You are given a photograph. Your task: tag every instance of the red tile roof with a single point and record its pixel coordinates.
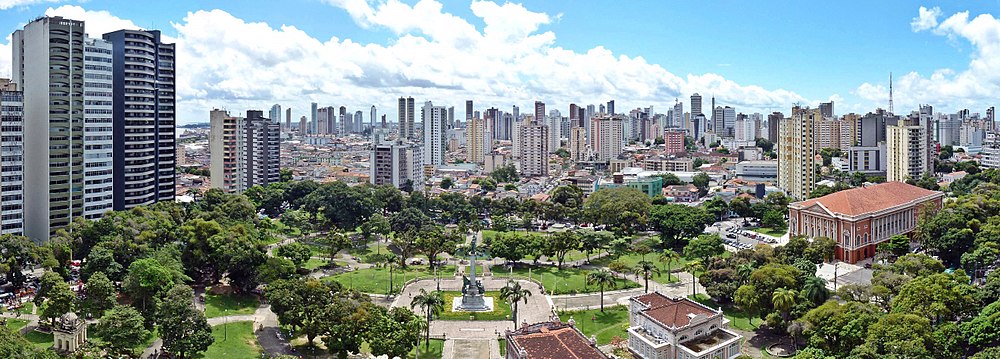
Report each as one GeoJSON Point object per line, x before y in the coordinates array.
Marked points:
{"type": "Point", "coordinates": [862, 200]}
{"type": "Point", "coordinates": [672, 312]}
{"type": "Point", "coordinates": [553, 340]}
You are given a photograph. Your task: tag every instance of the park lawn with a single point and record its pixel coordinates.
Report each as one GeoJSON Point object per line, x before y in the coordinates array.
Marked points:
{"type": "Point", "coordinates": [558, 281]}
{"type": "Point", "coordinates": [233, 340]}
{"type": "Point", "coordinates": [737, 318]}
{"type": "Point", "coordinates": [26, 308]}
{"type": "Point", "coordinates": [503, 346]}
{"type": "Point", "coordinates": [39, 340]}
{"type": "Point", "coordinates": [362, 252]}
{"type": "Point", "coordinates": [605, 326]}
{"type": "Point", "coordinates": [376, 280]}
{"type": "Point", "coordinates": [501, 310]}
{"type": "Point", "coordinates": [315, 263]}
{"type": "Point", "coordinates": [632, 260]}
{"type": "Point", "coordinates": [225, 305]}
{"type": "Point", "coordinates": [434, 351]}
{"type": "Point", "coordinates": [16, 324]}
{"type": "Point", "coordinates": [773, 232]}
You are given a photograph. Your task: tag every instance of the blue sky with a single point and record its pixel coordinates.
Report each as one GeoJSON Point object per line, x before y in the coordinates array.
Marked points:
{"type": "Point", "coordinates": [766, 54]}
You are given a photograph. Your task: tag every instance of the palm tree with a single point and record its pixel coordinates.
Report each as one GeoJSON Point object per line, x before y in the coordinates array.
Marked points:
{"type": "Point", "coordinates": [387, 260]}
{"type": "Point", "coordinates": [432, 303]}
{"type": "Point", "coordinates": [646, 270]}
{"type": "Point", "coordinates": [744, 270]}
{"type": "Point", "coordinates": [693, 268]}
{"type": "Point", "coordinates": [783, 300]}
{"type": "Point", "coordinates": [601, 278]}
{"type": "Point", "coordinates": [514, 294]}
{"type": "Point", "coordinates": [669, 256]}
{"type": "Point", "coordinates": [815, 290]}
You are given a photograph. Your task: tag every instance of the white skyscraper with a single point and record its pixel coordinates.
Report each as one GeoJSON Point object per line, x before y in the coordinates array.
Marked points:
{"type": "Point", "coordinates": [906, 144]}
{"type": "Point", "coordinates": [98, 149]}
{"type": "Point", "coordinates": [435, 122]}
{"type": "Point", "coordinates": [678, 115]}
{"type": "Point", "coordinates": [555, 131]}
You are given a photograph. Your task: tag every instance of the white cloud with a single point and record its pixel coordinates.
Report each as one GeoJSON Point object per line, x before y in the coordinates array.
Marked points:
{"type": "Point", "coordinates": [973, 87]}
{"type": "Point", "coordinates": [227, 62]}
{"type": "Point", "coordinates": [8, 4]}
{"type": "Point", "coordinates": [926, 19]}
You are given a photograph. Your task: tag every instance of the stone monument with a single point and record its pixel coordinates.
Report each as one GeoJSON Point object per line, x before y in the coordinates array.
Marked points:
{"type": "Point", "coordinates": [70, 333]}
{"type": "Point", "coordinates": [472, 299]}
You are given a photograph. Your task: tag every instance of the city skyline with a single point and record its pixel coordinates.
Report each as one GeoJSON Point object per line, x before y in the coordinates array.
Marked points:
{"type": "Point", "coordinates": [513, 54]}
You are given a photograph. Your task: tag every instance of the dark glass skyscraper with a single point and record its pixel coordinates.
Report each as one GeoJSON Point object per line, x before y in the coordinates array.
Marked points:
{"type": "Point", "coordinates": [144, 120]}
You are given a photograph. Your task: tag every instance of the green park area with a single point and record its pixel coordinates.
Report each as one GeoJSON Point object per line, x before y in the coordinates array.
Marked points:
{"type": "Point", "coordinates": [612, 322]}
{"type": "Point", "coordinates": [501, 309]}
{"type": "Point", "coordinates": [737, 318]}
{"type": "Point", "coordinates": [773, 232]}
{"type": "Point", "coordinates": [38, 339]}
{"type": "Point", "coordinates": [233, 340]}
{"type": "Point", "coordinates": [221, 305]}
{"type": "Point", "coordinates": [433, 351]}
{"type": "Point", "coordinates": [16, 324]}
{"type": "Point", "coordinates": [558, 281]}
{"type": "Point", "coordinates": [375, 280]}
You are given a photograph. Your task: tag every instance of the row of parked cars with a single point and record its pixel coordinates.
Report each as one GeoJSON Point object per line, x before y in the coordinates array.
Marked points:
{"type": "Point", "coordinates": [734, 233]}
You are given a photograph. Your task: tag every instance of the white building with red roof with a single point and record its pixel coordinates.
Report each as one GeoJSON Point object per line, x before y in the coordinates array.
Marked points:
{"type": "Point", "coordinates": [661, 327]}
{"type": "Point", "coordinates": [861, 218]}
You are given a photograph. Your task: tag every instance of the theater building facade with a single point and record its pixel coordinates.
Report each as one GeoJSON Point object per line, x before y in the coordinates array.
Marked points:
{"type": "Point", "coordinates": [861, 218]}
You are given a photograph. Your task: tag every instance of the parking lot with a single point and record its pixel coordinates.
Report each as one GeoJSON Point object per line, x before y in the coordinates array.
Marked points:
{"type": "Point", "coordinates": [744, 239]}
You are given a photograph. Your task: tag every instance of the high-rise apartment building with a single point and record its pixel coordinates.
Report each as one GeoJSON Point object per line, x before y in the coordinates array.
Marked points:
{"type": "Point", "coordinates": [833, 133]}
{"type": "Point", "coordinates": [678, 115]}
{"type": "Point", "coordinates": [773, 120]}
{"type": "Point", "coordinates": [358, 122]}
{"type": "Point", "coordinates": [259, 152]}
{"type": "Point", "coordinates": [313, 124]}
{"type": "Point", "coordinates": [797, 152]}
{"type": "Point", "coordinates": [406, 118]}
{"type": "Point", "coordinates": [288, 120]}
{"type": "Point", "coordinates": [607, 137]}
{"type": "Point", "coordinates": [275, 113]}
{"type": "Point", "coordinates": [673, 142]}
{"type": "Point", "coordinates": [223, 148]}
{"type": "Point", "coordinates": [907, 158]}
{"type": "Point", "coordinates": [534, 148]}
{"type": "Point", "coordinates": [303, 125]}
{"type": "Point", "coordinates": [826, 109]}
{"type": "Point", "coordinates": [48, 67]}
{"type": "Point", "coordinates": [478, 140]}
{"type": "Point", "coordinates": [325, 120]}
{"type": "Point", "coordinates": [374, 115]}
{"type": "Point", "coordinates": [144, 118]}
{"type": "Point", "coordinates": [555, 132]}
{"type": "Point", "coordinates": [539, 111]}
{"type": "Point", "coordinates": [468, 110]}
{"type": "Point", "coordinates": [695, 105]}
{"type": "Point", "coordinates": [98, 130]}
{"type": "Point", "coordinates": [399, 164]}
{"type": "Point", "coordinates": [578, 144]}
{"type": "Point", "coordinates": [11, 159]}
{"type": "Point", "coordinates": [435, 124]}
{"type": "Point", "coordinates": [991, 151]}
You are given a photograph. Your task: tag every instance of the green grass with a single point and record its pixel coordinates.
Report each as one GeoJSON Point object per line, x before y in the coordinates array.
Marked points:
{"type": "Point", "coordinates": [39, 340]}
{"type": "Point", "coordinates": [240, 341]}
{"type": "Point", "coordinates": [433, 352]}
{"type": "Point", "coordinates": [559, 281]}
{"type": "Point", "coordinates": [376, 280]}
{"type": "Point", "coordinates": [226, 305]}
{"type": "Point", "coordinates": [27, 308]}
{"type": "Point", "coordinates": [501, 310]}
{"type": "Point", "coordinates": [737, 318]}
{"type": "Point", "coordinates": [503, 346]}
{"type": "Point", "coordinates": [773, 232]}
{"type": "Point", "coordinates": [16, 324]}
{"type": "Point", "coordinates": [632, 260]}
{"type": "Point", "coordinates": [363, 252]}
{"type": "Point", "coordinates": [315, 263]}
{"type": "Point", "coordinates": [605, 326]}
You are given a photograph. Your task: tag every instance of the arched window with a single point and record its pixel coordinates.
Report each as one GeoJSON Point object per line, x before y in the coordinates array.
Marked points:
{"type": "Point", "coordinates": [697, 333]}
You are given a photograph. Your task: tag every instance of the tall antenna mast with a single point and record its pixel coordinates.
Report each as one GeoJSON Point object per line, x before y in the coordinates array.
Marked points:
{"type": "Point", "coordinates": [890, 94]}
